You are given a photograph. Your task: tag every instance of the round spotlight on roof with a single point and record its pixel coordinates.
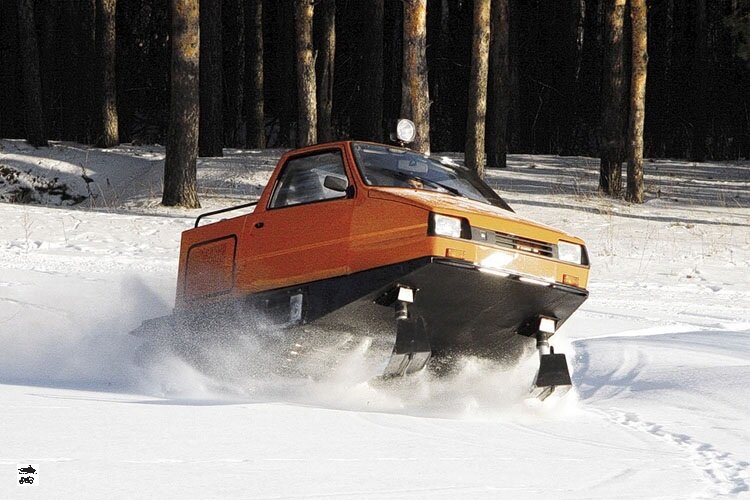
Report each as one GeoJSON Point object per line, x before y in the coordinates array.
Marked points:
{"type": "Point", "coordinates": [405, 130]}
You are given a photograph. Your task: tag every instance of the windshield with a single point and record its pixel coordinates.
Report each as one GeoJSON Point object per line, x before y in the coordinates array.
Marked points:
{"type": "Point", "coordinates": [396, 167]}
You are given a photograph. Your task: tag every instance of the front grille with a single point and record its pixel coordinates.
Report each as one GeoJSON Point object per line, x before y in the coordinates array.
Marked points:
{"type": "Point", "coordinates": [513, 242]}
{"type": "Point", "coordinates": [524, 244]}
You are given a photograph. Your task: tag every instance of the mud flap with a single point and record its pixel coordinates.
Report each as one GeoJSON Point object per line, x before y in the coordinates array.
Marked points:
{"type": "Point", "coordinates": [412, 349]}
{"type": "Point", "coordinates": [553, 376]}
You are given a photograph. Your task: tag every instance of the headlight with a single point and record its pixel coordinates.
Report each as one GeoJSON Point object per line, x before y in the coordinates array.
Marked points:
{"type": "Point", "coordinates": [569, 252]}
{"type": "Point", "coordinates": [443, 225]}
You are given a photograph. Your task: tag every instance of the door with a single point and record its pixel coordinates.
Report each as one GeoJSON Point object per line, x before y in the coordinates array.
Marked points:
{"type": "Point", "coordinates": [303, 235]}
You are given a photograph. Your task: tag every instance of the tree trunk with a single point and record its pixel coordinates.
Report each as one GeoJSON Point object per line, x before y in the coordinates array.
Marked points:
{"type": "Point", "coordinates": [254, 102]}
{"type": "Point", "coordinates": [32, 88]}
{"type": "Point", "coordinates": [371, 117]}
{"type": "Point", "coordinates": [571, 107]}
{"type": "Point", "coordinates": [83, 80]}
{"type": "Point", "coordinates": [211, 126]}
{"type": "Point", "coordinates": [393, 58]}
{"type": "Point", "coordinates": [106, 48]}
{"type": "Point", "coordinates": [52, 36]}
{"type": "Point", "coordinates": [307, 111]}
{"type": "Point", "coordinates": [499, 89]}
{"type": "Point", "coordinates": [638, 13]}
{"type": "Point", "coordinates": [326, 54]}
{"type": "Point", "coordinates": [285, 92]}
{"type": "Point", "coordinates": [613, 101]}
{"type": "Point", "coordinates": [441, 114]}
{"type": "Point", "coordinates": [475, 121]}
{"type": "Point", "coordinates": [180, 186]}
{"type": "Point", "coordinates": [578, 25]}
{"type": "Point", "coordinates": [234, 72]}
{"type": "Point", "coordinates": [415, 98]}
{"type": "Point", "coordinates": [700, 85]}
{"type": "Point", "coordinates": [514, 131]}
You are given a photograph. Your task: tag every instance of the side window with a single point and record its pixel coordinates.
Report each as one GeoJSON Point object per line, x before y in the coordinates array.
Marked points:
{"type": "Point", "coordinates": [302, 179]}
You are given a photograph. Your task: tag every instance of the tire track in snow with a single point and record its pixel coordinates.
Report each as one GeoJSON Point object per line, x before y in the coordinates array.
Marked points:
{"type": "Point", "coordinates": [728, 476]}
{"type": "Point", "coordinates": [40, 307]}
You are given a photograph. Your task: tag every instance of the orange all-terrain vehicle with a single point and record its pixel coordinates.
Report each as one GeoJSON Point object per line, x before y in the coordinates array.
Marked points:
{"type": "Point", "coordinates": [413, 255]}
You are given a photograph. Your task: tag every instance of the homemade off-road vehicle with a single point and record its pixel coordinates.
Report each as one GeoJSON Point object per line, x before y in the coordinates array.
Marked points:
{"type": "Point", "coordinates": [413, 255]}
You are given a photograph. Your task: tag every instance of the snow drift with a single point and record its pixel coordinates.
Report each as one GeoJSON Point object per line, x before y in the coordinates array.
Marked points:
{"type": "Point", "coordinates": [660, 354]}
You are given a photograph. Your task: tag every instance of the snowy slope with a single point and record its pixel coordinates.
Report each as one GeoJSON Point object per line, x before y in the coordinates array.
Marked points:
{"type": "Point", "coordinates": [660, 352]}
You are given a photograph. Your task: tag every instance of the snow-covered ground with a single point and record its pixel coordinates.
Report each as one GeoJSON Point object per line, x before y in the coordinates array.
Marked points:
{"type": "Point", "coordinates": [660, 352]}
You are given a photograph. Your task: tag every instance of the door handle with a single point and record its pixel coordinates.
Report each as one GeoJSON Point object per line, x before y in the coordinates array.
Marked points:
{"type": "Point", "coordinates": [259, 225]}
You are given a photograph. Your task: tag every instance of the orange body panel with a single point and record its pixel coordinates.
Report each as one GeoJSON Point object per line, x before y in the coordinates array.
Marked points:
{"type": "Point", "coordinates": [277, 247]}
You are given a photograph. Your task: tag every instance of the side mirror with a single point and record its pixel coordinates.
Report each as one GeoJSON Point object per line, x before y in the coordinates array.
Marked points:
{"type": "Point", "coordinates": [335, 183]}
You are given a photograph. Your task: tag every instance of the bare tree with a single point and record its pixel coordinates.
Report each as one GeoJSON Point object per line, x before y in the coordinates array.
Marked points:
{"type": "Point", "coordinates": [614, 111]}
{"type": "Point", "coordinates": [499, 86]}
{"type": "Point", "coordinates": [475, 121]}
{"type": "Point", "coordinates": [326, 55]}
{"type": "Point", "coordinates": [53, 22]}
{"type": "Point", "coordinates": [700, 84]}
{"type": "Point", "coordinates": [180, 185]}
{"type": "Point", "coordinates": [234, 72]}
{"type": "Point", "coordinates": [415, 98]}
{"type": "Point", "coordinates": [284, 41]}
{"type": "Point", "coordinates": [211, 123]}
{"type": "Point", "coordinates": [443, 78]}
{"type": "Point", "coordinates": [307, 116]}
{"type": "Point", "coordinates": [106, 47]}
{"type": "Point", "coordinates": [638, 13]}
{"type": "Point", "coordinates": [87, 109]}
{"type": "Point", "coordinates": [371, 116]}
{"type": "Point", "coordinates": [32, 87]}
{"type": "Point", "coordinates": [254, 101]}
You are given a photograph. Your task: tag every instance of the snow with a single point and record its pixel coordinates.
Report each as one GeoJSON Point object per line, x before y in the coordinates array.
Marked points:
{"type": "Point", "coordinates": [660, 353]}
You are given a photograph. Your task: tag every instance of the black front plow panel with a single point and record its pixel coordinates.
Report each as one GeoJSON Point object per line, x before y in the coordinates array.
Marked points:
{"type": "Point", "coordinates": [465, 310]}
{"type": "Point", "coordinates": [480, 313]}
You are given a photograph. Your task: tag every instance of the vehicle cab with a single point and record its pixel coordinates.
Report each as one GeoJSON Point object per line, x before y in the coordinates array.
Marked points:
{"type": "Point", "coordinates": [339, 208]}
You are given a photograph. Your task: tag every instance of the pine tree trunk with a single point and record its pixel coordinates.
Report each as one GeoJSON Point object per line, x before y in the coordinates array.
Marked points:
{"type": "Point", "coordinates": [499, 88]}
{"type": "Point", "coordinates": [514, 129]}
{"type": "Point", "coordinates": [475, 122]}
{"type": "Point", "coordinates": [578, 29]}
{"type": "Point", "coordinates": [254, 103]}
{"type": "Point", "coordinates": [668, 75]}
{"type": "Point", "coordinates": [12, 104]}
{"type": "Point", "coordinates": [570, 107]}
{"type": "Point", "coordinates": [307, 116]}
{"type": "Point", "coordinates": [32, 88]}
{"type": "Point", "coordinates": [211, 124]}
{"type": "Point", "coordinates": [82, 82]}
{"type": "Point", "coordinates": [415, 98]}
{"type": "Point", "coordinates": [326, 54]}
{"type": "Point", "coordinates": [700, 85]}
{"type": "Point", "coordinates": [180, 185]}
{"type": "Point", "coordinates": [51, 37]}
{"type": "Point", "coordinates": [393, 53]}
{"type": "Point", "coordinates": [234, 72]}
{"type": "Point", "coordinates": [286, 91]}
{"type": "Point", "coordinates": [371, 117]}
{"type": "Point", "coordinates": [106, 52]}
{"type": "Point", "coordinates": [638, 13]}
{"type": "Point", "coordinates": [613, 101]}
{"type": "Point", "coordinates": [442, 130]}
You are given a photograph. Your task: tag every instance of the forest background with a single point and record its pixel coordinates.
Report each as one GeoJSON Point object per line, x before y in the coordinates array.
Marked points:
{"type": "Point", "coordinates": [289, 73]}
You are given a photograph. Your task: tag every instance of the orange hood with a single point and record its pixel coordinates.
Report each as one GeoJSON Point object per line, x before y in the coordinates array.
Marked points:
{"type": "Point", "coordinates": [479, 215]}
